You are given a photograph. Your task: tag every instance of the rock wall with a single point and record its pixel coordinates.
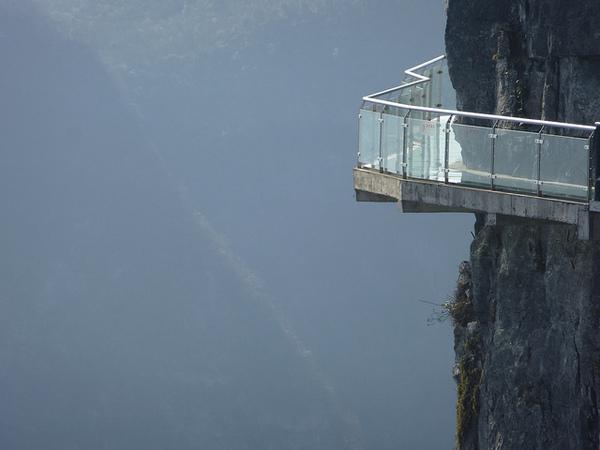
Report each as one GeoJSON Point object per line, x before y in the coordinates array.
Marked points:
{"type": "Point", "coordinates": [528, 345]}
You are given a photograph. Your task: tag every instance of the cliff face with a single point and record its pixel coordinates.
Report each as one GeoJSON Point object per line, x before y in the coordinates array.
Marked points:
{"type": "Point", "coordinates": [528, 345]}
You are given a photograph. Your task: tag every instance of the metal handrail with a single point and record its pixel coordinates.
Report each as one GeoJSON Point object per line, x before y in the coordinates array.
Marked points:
{"type": "Point", "coordinates": [452, 112]}
{"type": "Point", "coordinates": [410, 72]}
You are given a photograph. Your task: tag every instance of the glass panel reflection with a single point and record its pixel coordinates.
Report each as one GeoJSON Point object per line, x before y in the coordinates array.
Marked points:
{"type": "Point", "coordinates": [470, 157]}
{"type": "Point", "coordinates": [392, 143]}
{"type": "Point", "coordinates": [368, 137]}
{"type": "Point", "coordinates": [425, 149]}
{"type": "Point", "coordinates": [564, 167]}
{"type": "Point", "coordinates": [515, 161]}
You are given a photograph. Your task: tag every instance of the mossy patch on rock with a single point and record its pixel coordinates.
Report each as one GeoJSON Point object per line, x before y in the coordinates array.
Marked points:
{"type": "Point", "coordinates": [467, 404]}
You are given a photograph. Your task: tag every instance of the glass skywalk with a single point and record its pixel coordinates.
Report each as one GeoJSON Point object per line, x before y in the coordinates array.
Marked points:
{"type": "Point", "coordinates": [415, 132]}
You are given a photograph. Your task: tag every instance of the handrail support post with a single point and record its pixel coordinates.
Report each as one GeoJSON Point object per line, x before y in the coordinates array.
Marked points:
{"type": "Point", "coordinates": [447, 150]}
{"type": "Point", "coordinates": [380, 157]}
{"type": "Point", "coordinates": [539, 142]}
{"type": "Point", "coordinates": [594, 165]}
{"type": "Point", "coordinates": [405, 145]}
{"type": "Point", "coordinates": [493, 137]}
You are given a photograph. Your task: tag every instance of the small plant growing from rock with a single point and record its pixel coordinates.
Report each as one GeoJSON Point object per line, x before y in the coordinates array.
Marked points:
{"type": "Point", "coordinates": [459, 306]}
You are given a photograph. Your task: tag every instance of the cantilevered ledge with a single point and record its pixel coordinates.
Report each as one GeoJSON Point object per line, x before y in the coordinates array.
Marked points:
{"type": "Point", "coordinates": [420, 196]}
{"type": "Point", "coordinates": [417, 149]}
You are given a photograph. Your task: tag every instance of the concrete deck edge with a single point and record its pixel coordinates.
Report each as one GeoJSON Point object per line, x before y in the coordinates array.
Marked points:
{"type": "Point", "coordinates": [423, 196]}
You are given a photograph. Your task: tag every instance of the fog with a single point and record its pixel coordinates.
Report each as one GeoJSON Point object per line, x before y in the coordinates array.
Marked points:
{"type": "Point", "coordinates": [185, 266]}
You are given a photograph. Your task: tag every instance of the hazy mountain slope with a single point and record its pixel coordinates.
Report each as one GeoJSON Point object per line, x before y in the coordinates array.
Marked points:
{"type": "Point", "coordinates": [257, 124]}
{"type": "Point", "coordinates": [122, 327]}
{"type": "Point", "coordinates": [180, 31]}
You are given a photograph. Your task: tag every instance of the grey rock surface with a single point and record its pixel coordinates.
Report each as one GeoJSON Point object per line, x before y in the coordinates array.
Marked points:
{"type": "Point", "coordinates": [530, 377]}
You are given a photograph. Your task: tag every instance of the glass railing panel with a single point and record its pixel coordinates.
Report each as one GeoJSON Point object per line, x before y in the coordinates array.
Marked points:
{"type": "Point", "coordinates": [425, 149]}
{"type": "Point", "coordinates": [368, 138]}
{"type": "Point", "coordinates": [405, 96]}
{"type": "Point", "coordinates": [419, 94]}
{"type": "Point", "coordinates": [426, 89]}
{"type": "Point", "coordinates": [564, 167]}
{"type": "Point", "coordinates": [562, 173]}
{"type": "Point", "coordinates": [426, 71]}
{"type": "Point", "coordinates": [394, 95]}
{"type": "Point", "coordinates": [436, 87]}
{"type": "Point", "coordinates": [392, 140]}
{"type": "Point", "coordinates": [418, 98]}
{"type": "Point", "coordinates": [438, 74]}
{"type": "Point", "coordinates": [515, 161]}
{"type": "Point", "coordinates": [469, 155]}
{"type": "Point", "coordinates": [439, 90]}
{"type": "Point", "coordinates": [436, 93]}
{"type": "Point", "coordinates": [447, 92]}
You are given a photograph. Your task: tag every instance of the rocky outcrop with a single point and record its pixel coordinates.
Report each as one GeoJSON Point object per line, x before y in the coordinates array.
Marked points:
{"type": "Point", "coordinates": [528, 356]}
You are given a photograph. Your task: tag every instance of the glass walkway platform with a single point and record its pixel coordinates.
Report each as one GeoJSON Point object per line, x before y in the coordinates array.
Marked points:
{"type": "Point", "coordinates": [414, 134]}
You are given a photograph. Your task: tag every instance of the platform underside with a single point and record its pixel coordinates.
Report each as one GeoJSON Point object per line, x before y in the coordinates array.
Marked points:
{"type": "Point", "coordinates": [418, 196]}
